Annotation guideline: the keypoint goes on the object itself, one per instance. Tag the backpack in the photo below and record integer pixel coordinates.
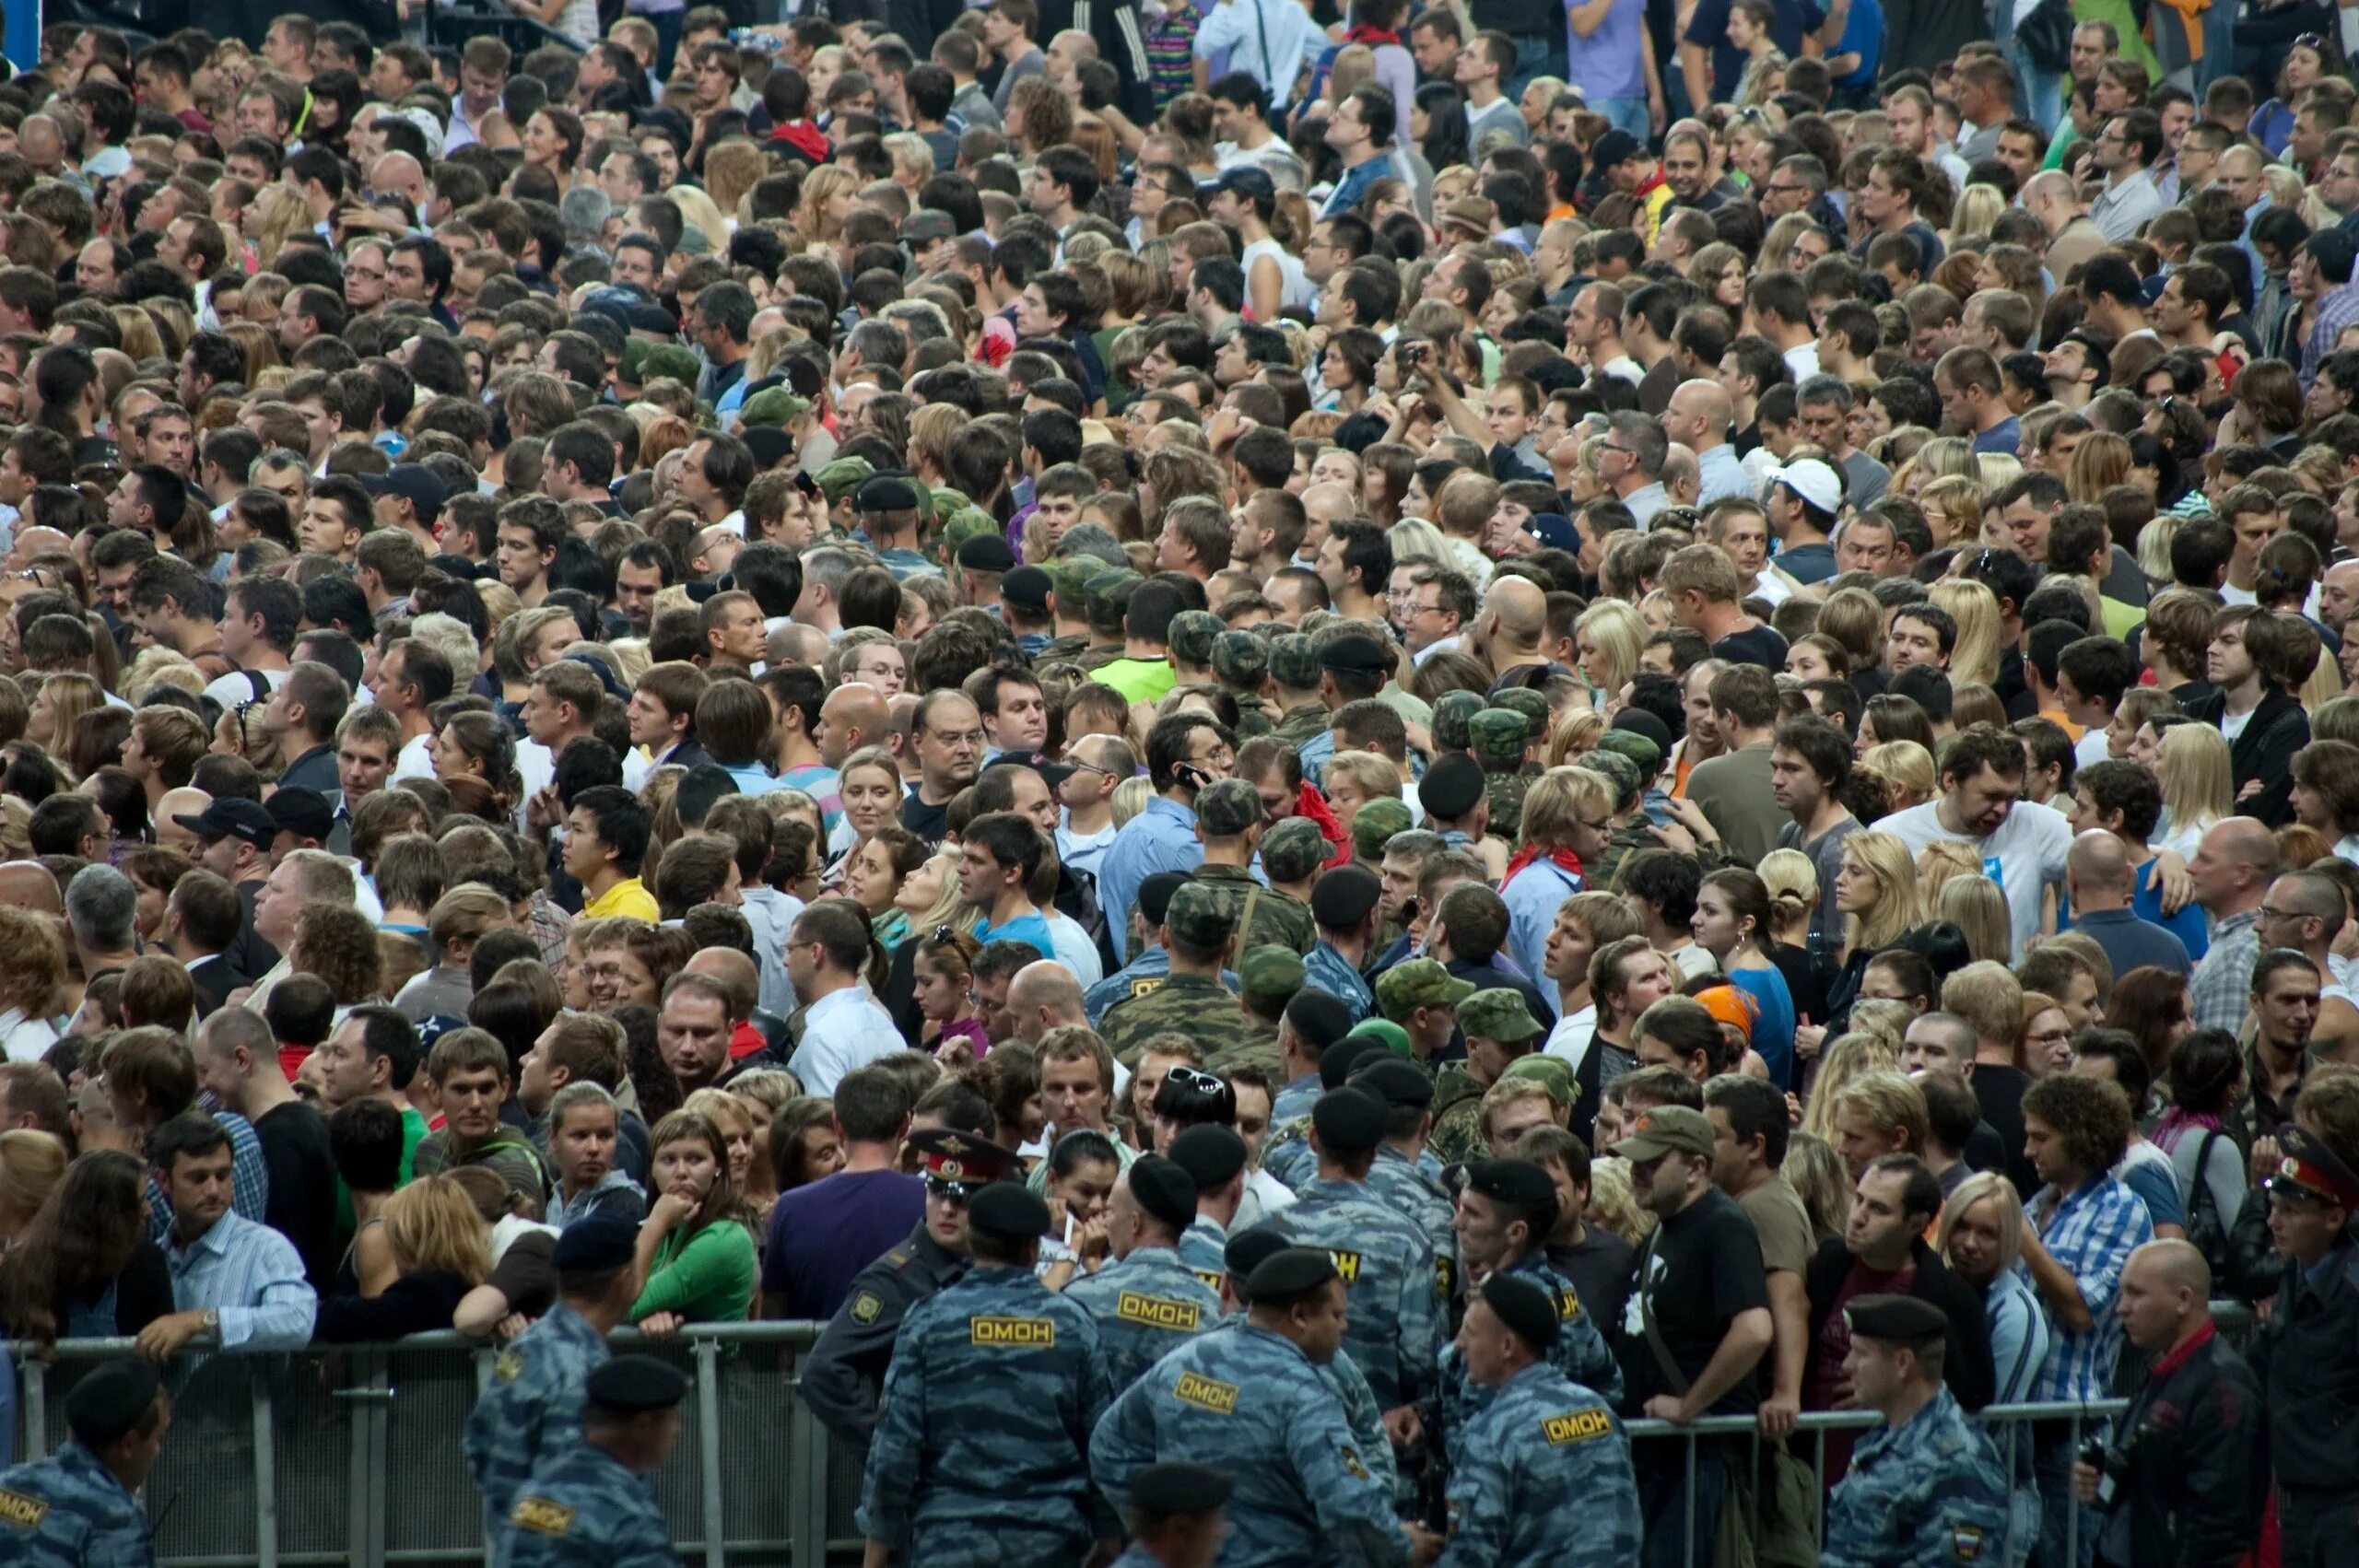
(2207, 1228)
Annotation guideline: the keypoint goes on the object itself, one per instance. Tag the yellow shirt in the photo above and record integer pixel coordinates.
(628, 896)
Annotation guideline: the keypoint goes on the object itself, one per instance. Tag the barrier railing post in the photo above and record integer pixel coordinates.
(808, 1453)
(1689, 1560)
(32, 1394)
(716, 1530)
(2073, 1499)
(265, 1476)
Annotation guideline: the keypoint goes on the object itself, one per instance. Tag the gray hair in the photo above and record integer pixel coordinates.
(1646, 439)
(586, 210)
(830, 566)
(101, 907)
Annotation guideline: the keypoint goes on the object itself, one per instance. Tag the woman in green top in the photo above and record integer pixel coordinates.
(694, 1249)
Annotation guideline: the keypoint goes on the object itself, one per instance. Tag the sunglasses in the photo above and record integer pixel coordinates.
(958, 1191)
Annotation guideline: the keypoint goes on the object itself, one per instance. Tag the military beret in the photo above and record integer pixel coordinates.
(1335, 1063)
(769, 445)
(1069, 581)
(1228, 807)
(111, 1399)
(1382, 1033)
(1356, 653)
(1374, 824)
(1639, 721)
(1241, 659)
(596, 1243)
(1419, 982)
(1292, 849)
(1550, 1073)
(1177, 1487)
(1007, 1211)
(1348, 1120)
(1498, 737)
(1154, 895)
(966, 1158)
(1199, 916)
(887, 493)
(1398, 1083)
(1342, 895)
(1319, 1018)
(1641, 753)
(631, 1385)
(1453, 786)
(1519, 1182)
(985, 553)
(1906, 1319)
(1026, 588)
(1211, 1154)
(1249, 1249)
(1288, 1274)
(1498, 1013)
(1451, 711)
(1192, 635)
(1164, 1189)
(1293, 662)
(1525, 1308)
(1270, 974)
(844, 475)
(668, 361)
(1531, 704)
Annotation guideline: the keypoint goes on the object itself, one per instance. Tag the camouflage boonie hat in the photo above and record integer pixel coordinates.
(1617, 770)
(1069, 581)
(1108, 599)
(1241, 659)
(1292, 849)
(1550, 1073)
(1293, 662)
(844, 475)
(1452, 713)
(1199, 915)
(669, 359)
(1533, 705)
(1498, 737)
(1271, 973)
(1228, 807)
(1375, 825)
(1192, 634)
(1643, 754)
(1420, 982)
(1498, 1013)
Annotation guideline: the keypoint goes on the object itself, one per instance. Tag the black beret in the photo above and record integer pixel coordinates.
(1289, 1272)
(1336, 1063)
(631, 1384)
(886, 493)
(111, 1400)
(1178, 1488)
(1639, 721)
(1524, 1307)
(1341, 899)
(1400, 1083)
(1356, 653)
(1905, 1318)
(987, 553)
(1026, 588)
(1348, 1120)
(1319, 1018)
(1519, 1182)
(1164, 1189)
(1452, 786)
(1249, 1249)
(596, 1243)
(1211, 1154)
(1007, 1212)
(769, 445)
(1154, 895)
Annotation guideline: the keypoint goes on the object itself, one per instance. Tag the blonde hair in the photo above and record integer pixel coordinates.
(1958, 499)
(1558, 800)
(1938, 863)
(1845, 1060)
(1882, 1018)
(2192, 765)
(1376, 776)
(828, 179)
(1816, 1174)
(1413, 539)
(433, 1225)
(2004, 1201)
(31, 1165)
(1884, 859)
(1614, 1201)
(1576, 736)
(1129, 799)
(1889, 1100)
(1908, 766)
(1997, 470)
(1978, 208)
(1974, 658)
(1619, 636)
(1979, 909)
(1792, 881)
(1986, 995)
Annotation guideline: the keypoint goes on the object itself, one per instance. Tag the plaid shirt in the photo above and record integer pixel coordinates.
(2221, 988)
(248, 1180)
(2337, 309)
(2091, 1232)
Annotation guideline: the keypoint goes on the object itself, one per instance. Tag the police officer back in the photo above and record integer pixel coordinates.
(1504, 1213)
(591, 1503)
(1542, 1473)
(1398, 1177)
(1197, 927)
(1148, 1300)
(532, 1404)
(1175, 1517)
(1928, 1486)
(76, 1508)
(979, 1455)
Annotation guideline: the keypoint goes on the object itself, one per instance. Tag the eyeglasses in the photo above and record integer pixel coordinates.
(956, 738)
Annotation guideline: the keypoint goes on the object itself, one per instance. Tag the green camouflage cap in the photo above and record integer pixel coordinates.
(1375, 825)
(1497, 735)
(967, 523)
(1394, 1037)
(1241, 659)
(942, 500)
(1199, 916)
(1643, 754)
(773, 406)
(1270, 975)
(1452, 711)
(1498, 1013)
(844, 475)
(1533, 705)
(1108, 598)
(1293, 662)
(1617, 770)
(1069, 581)
(1420, 982)
(1228, 807)
(1191, 636)
(669, 359)
(1549, 1071)
(1292, 849)
(632, 366)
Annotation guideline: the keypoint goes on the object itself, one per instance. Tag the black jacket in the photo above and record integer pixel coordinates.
(2306, 1357)
(2264, 754)
(1966, 1365)
(2189, 1466)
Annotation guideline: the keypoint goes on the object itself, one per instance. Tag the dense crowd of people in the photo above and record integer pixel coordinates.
(1298, 754)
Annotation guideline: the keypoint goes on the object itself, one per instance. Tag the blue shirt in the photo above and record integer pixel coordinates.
(1357, 181)
(1863, 36)
(248, 1180)
(1773, 1031)
(1160, 839)
(822, 1235)
(2004, 438)
(1532, 896)
(253, 1277)
(2090, 1232)
(1023, 927)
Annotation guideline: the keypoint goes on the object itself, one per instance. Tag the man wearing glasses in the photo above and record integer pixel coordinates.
(947, 731)
(1184, 753)
(2126, 150)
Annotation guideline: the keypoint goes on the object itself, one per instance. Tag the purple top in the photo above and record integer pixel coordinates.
(1607, 63)
(823, 1235)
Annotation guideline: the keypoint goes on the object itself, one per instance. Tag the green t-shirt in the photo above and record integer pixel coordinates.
(1139, 680)
(413, 1134)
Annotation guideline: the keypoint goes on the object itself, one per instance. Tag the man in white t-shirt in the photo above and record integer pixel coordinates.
(2023, 844)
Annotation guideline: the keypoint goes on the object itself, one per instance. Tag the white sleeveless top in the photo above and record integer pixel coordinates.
(1294, 289)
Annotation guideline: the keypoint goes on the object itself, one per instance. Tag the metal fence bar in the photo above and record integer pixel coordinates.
(716, 1530)
(265, 1476)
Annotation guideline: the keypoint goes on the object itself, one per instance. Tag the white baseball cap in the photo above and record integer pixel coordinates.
(1813, 480)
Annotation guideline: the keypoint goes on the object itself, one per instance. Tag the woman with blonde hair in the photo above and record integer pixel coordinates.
(1413, 539)
(1907, 767)
(1939, 864)
(1980, 630)
(1614, 1202)
(1952, 507)
(1846, 1059)
(442, 1248)
(276, 211)
(828, 194)
(2192, 763)
(732, 168)
(1853, 618)
(1980, 1238)
(1944, 457)
(1821, 1182)
(1997, 470)
(1875, 891)
(58, 707)
(1610, 638)
(1978, 208)
(1979, 909)
(2099, 462)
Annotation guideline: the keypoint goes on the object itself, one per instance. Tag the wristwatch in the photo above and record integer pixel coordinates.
(212, 1324)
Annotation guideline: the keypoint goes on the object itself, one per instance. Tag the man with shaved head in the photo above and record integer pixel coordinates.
(170, 806)
(1509, 627)
(2304, 911)
(1698, 417)
(855, 715)
(2232, 868)
(1323, 506)
(1043, 997)
(27, 885)
(2098, 872)
(2185, 1462)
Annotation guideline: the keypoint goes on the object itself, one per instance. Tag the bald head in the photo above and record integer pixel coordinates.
(1044, 996)
(27, 885)
(2242, 841)
(1698, 415)
(2241, 162)
(853, 716)
(2050, 188)
(797, 643)
(2175, 1264)
(732, 968)
(1520, 610)
(2098, 864)
(1330, 503)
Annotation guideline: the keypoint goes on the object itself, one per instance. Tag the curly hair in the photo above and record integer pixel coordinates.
(338, 943)
(2090, 1115)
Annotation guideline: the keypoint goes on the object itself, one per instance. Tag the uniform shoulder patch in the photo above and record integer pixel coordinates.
(1013, 1333)
(510, 1366)
(1575, 1426)
(1205, 1393)
(1965, 1542)
(1158, 1312)
(1352, 1461)
(866, 1307)
(541, 1517)
(1568, 1305)
(25, 1513)
(1445, 1276)
(1144, 987)
(1347, 1264)
(1212, 1278)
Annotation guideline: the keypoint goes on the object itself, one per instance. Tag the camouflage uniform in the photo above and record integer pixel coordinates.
(1332, 973)
(68, 1511)
(1203, 1251)
(1147, 1306)
(1930, 1490)
(1142, 976)
(530, 1408)
(1387, 1266)
(846, 1369)
(1579, 1355)
(583, 1508)
(1242, 662)
(1261, 915)
(1373, 826)
(1542, 1476)
(1500, 736)
(1107, 598)
(1195, 1005)
(1498, 1013)
(1408, 1191)
(1190, 639)
(1271, 976)
(1251, 1402)
(978, 1458)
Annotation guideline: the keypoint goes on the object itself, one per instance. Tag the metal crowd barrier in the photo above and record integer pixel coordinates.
(350, 1456)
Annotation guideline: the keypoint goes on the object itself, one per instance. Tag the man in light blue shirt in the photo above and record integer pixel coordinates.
(1184, 753)
(233, 1279)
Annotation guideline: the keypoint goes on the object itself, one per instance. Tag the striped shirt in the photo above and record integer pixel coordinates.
(254, 1278)
(2092, 1233)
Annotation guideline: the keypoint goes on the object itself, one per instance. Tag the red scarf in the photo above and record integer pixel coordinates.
(1563, 859)
(805, 138)
(1309, 802)
(1361, 33)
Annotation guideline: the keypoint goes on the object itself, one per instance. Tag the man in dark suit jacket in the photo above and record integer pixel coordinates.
(202, 920)
(2254, 655)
